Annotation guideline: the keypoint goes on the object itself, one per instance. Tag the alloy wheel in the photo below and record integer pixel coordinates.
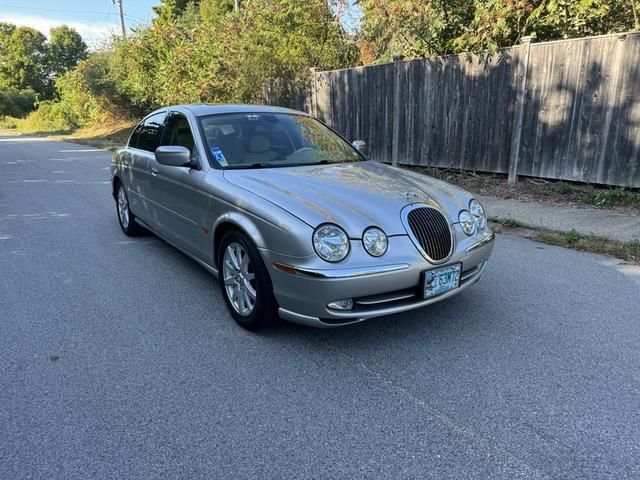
(123, 208)
(239, 279)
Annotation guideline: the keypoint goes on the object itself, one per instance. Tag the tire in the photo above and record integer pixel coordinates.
(126, 218)
(245, 283)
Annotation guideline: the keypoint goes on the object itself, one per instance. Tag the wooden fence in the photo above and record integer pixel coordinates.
(565, 110)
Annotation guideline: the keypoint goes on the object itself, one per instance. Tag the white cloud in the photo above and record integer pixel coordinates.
(93, 33)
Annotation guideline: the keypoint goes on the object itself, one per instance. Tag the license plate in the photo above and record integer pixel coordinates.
(440, 280)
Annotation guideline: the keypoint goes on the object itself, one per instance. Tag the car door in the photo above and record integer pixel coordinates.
(136, 159)
(175, 191)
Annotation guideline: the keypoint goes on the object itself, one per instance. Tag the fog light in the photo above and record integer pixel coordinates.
(346, 304)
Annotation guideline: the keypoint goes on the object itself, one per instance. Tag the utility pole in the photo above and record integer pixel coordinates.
(119, 2)
(236, 5)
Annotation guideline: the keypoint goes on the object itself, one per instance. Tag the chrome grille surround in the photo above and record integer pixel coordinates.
(430, 232)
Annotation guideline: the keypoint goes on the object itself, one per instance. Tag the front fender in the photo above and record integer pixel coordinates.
(288, 236)
(241, 222)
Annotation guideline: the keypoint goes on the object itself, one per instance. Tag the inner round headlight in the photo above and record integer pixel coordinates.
(375, 241)
(478, 212)
(330, 242)
(467, 222)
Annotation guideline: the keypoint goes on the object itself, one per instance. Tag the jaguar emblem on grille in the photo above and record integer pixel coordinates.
(410, 194)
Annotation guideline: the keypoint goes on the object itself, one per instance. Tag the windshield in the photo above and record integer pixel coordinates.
(256, 140)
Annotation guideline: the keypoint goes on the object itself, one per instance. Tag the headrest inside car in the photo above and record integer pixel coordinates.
(259, 144)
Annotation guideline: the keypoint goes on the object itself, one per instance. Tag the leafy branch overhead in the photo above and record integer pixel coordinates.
(425, 28)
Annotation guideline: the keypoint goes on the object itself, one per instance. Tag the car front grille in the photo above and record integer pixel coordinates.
(430, 232)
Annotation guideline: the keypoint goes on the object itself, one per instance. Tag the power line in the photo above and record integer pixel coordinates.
(22, 7)
(94, 13)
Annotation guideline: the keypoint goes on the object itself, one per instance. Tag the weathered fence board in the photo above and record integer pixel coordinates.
(580, 102)
(581, 111)
(358, 103)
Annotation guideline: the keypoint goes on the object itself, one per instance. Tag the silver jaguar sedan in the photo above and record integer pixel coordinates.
(293, 219)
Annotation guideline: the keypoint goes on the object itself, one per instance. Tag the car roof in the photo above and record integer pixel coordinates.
(202, 109)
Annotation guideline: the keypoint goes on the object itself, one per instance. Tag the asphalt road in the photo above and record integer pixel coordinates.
(118, 359)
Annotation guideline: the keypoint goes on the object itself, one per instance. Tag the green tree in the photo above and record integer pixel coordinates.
(283, 39)
(23, 64)
(437, 27)
(65, 49)
(6, 29)
(16, 103)
(29, 62)
(570, 18)
(170, 10)
(211, 53)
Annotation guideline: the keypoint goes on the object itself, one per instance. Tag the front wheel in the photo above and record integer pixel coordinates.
(245, 282)
(125, 217)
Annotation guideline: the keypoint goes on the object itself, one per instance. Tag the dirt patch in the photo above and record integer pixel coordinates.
(108, 136)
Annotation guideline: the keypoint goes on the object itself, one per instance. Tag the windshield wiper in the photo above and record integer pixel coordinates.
(260, 165)
(276, 165)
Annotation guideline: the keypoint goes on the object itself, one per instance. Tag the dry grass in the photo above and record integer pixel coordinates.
(109, 136)
(628, 251)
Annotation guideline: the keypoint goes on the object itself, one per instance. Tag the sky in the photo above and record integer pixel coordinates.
(95, 20)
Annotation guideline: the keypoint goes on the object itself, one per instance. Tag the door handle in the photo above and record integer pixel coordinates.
(154, 171)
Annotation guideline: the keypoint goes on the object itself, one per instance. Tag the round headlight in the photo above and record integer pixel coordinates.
(478, 212)
(330, 242)
(374, 241)
(467, 222)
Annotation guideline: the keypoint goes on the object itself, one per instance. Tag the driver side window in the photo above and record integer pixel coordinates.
(177, 132)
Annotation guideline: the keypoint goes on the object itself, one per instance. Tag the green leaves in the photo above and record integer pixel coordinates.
(205, 52)
(29, 61)
(425, 28)
(64, 50)
(16, 103)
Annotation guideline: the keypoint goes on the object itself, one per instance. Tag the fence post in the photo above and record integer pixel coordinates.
(395, 142)
(314, 100)
(518, 117)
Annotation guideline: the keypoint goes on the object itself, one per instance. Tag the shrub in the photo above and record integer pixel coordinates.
(16, 103)
(49, 117)
(90, 95)
(7, 123)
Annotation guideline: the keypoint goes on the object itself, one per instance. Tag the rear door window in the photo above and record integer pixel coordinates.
(133, 141)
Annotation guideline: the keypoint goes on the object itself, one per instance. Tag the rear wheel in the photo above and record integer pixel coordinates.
(245, 282)
(125, 217)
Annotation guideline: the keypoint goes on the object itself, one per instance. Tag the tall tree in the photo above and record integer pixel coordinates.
(211, 53)
(24, 59)
(65, 49)
(29, 61)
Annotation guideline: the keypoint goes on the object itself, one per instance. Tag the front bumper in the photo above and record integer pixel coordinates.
(303, 292)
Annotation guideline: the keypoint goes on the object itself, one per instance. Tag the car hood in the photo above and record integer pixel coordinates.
(352, 195)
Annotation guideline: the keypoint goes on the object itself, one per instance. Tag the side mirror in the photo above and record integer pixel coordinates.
(173, 156)
(360, 145)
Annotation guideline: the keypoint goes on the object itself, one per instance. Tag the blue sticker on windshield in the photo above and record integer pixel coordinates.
(219, 156)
